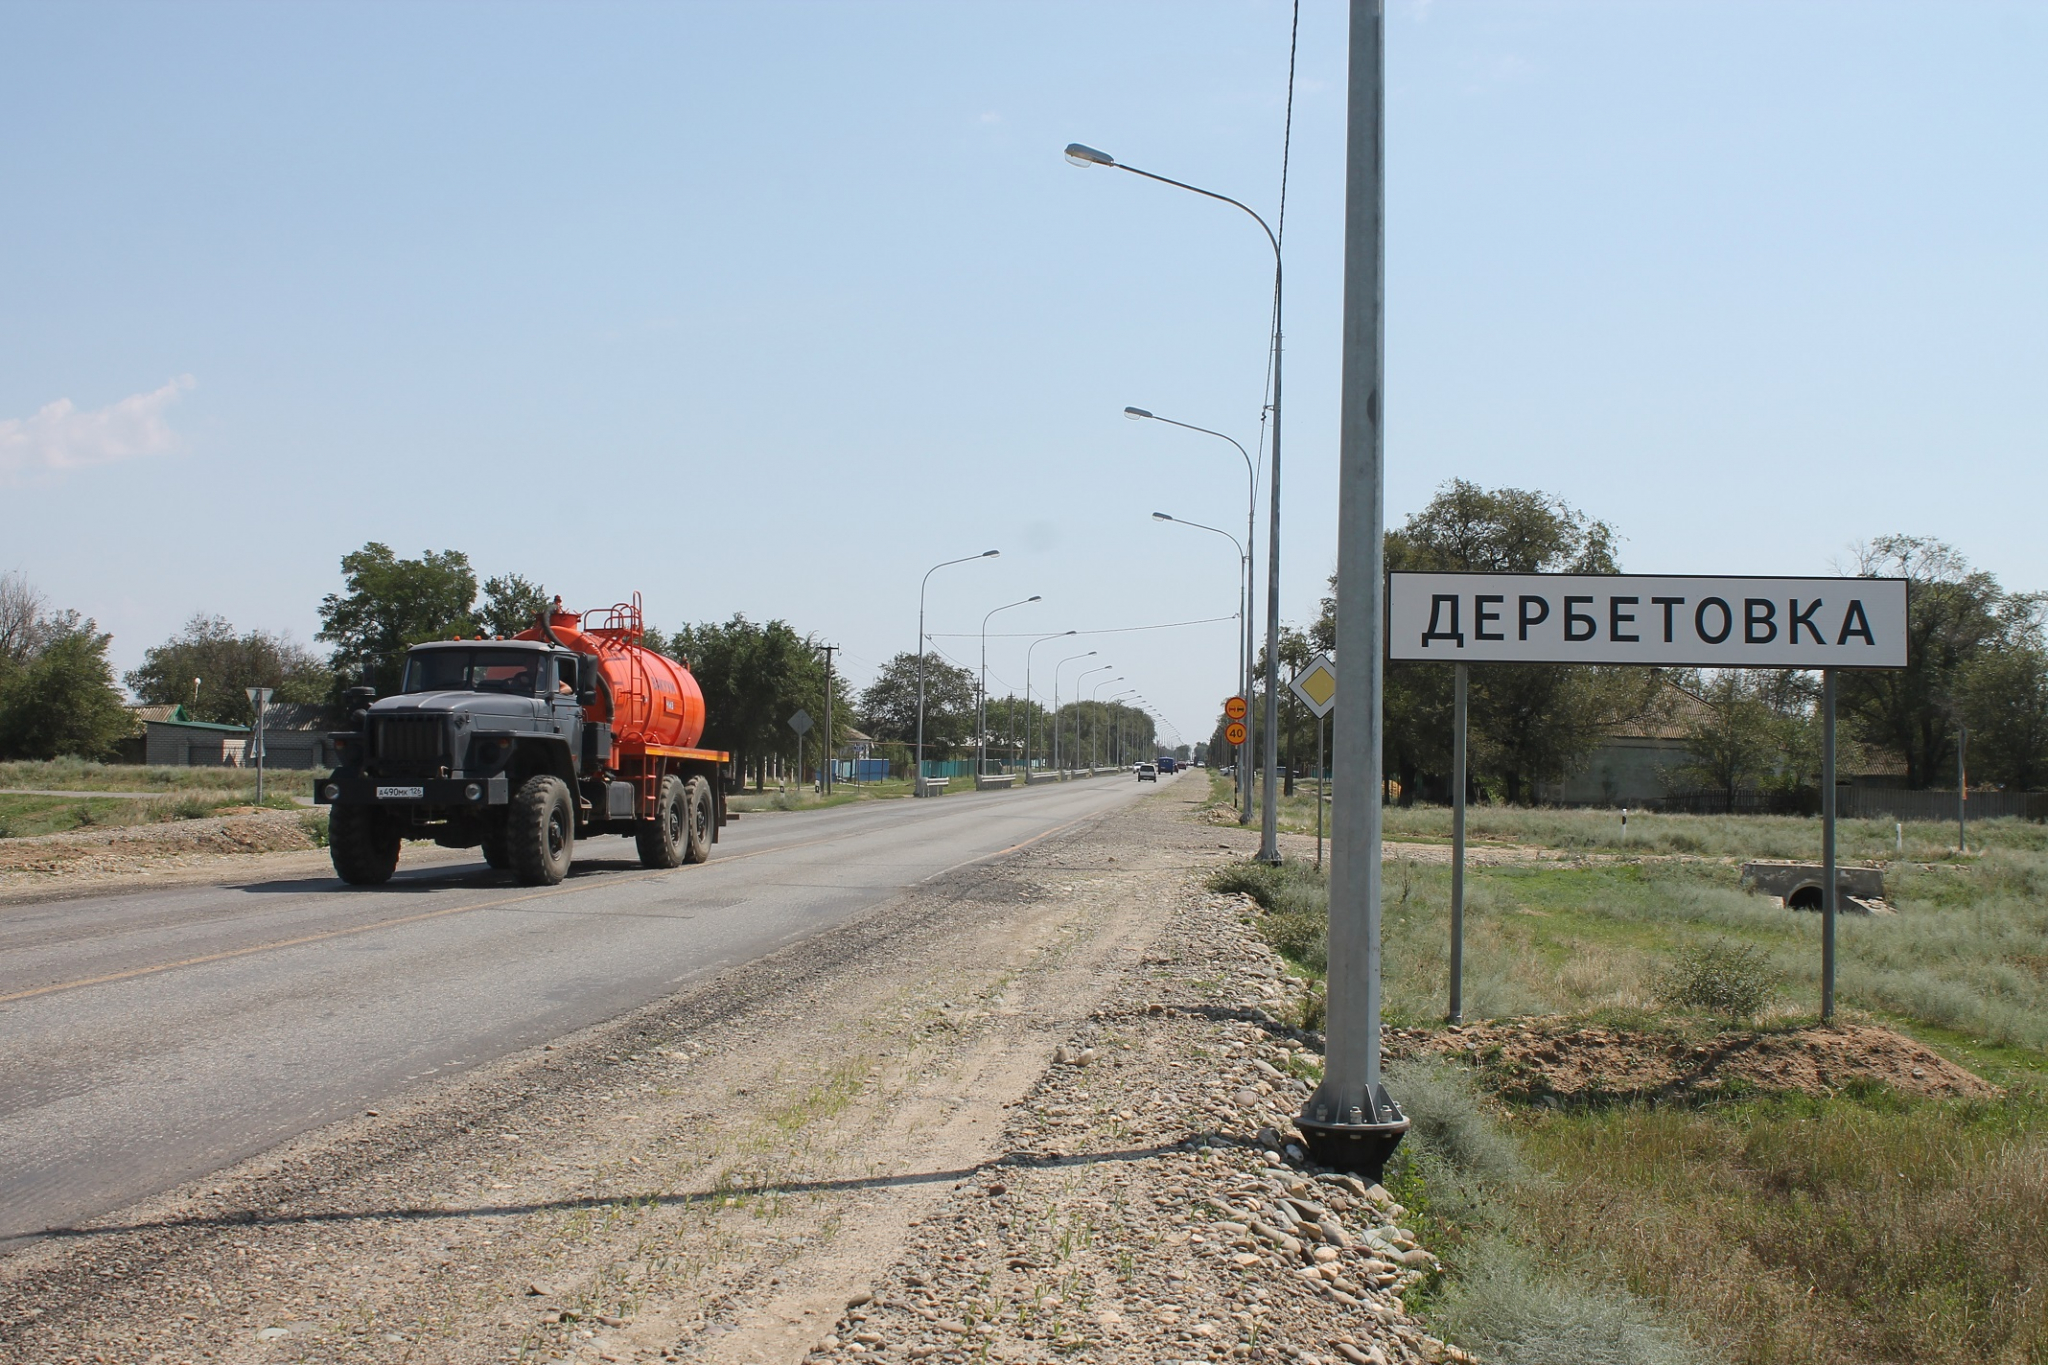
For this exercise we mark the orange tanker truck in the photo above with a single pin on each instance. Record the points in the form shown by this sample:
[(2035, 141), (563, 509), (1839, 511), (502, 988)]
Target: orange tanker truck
[(522, 746)]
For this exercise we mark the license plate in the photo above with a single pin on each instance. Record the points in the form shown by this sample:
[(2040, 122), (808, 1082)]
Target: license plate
[(400, 793)]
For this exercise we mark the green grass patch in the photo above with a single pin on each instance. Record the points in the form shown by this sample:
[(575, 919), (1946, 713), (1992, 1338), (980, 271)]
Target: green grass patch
[(1863, 1226)]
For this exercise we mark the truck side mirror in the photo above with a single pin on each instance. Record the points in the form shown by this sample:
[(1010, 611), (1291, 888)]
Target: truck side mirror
[(586, 679)]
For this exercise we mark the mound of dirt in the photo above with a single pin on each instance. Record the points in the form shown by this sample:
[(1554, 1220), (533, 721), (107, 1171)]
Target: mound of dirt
[(122, 848), (1573, 1062)]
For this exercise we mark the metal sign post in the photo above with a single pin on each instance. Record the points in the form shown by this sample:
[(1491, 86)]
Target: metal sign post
[(1458, 771), (1316, 687), (259, 697), (1827, 844), (801, 723)]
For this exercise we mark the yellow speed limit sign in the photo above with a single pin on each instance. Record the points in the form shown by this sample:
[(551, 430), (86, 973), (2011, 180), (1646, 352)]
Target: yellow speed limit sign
[(1234, 732), (1235, 709)]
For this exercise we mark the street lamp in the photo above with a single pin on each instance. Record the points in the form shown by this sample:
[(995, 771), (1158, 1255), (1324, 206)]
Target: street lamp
[(1116, 728), (1095, 721), (1269, 832), (1251, 509), (1056, 703), (917, 778), (1244, 559), (1077, 706), (981, 706), (1056, 635)]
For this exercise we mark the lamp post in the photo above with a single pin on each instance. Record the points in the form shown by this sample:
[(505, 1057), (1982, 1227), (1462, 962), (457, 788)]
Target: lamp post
[(1269, 824), (1244, 656), (1056, 702), (1251, 510), (1116, 729), (1057, 635), (1095, 722), (917, 777), (1077, 706), (981, 704)]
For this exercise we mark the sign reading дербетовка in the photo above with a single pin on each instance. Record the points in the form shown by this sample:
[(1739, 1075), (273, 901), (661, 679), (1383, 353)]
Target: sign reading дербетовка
[(1652, 621)]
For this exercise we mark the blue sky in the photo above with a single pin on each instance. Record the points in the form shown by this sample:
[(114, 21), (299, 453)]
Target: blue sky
[(767, 308)]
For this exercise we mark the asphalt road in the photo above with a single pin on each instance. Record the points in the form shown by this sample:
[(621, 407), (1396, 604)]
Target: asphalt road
[(149, 1038)]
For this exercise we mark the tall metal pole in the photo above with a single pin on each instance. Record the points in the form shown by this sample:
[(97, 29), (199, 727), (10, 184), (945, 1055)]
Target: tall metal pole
[(1827, 843), (827, 740), (981, 706), (1458, 770), (1057, 635), (917, 774), (1056, 726), (1248, 589), (1077, 705), (1350, 1121), (1962, 791)]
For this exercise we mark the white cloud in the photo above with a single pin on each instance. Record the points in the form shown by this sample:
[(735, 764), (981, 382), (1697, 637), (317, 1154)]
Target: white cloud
[(60, 437)]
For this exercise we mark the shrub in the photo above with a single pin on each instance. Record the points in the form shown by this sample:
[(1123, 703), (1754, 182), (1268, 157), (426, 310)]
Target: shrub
[(1515, 1311), (1447, 1121), (1723, 978), (315, 825)]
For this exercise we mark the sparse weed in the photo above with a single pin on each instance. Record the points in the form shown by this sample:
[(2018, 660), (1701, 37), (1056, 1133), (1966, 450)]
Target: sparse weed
[(1719, 977)]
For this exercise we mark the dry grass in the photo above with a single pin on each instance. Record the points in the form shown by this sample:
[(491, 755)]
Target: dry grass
[(1862, 1226)]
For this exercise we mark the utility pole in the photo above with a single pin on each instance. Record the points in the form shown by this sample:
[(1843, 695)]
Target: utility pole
[(1350, 1122), (826, 742)]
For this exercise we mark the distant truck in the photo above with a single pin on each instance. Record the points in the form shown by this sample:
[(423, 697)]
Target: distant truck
[(520, 747), (1168, 763)]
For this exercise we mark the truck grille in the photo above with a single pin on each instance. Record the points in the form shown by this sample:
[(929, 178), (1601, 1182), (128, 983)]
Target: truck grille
[(409, 739)]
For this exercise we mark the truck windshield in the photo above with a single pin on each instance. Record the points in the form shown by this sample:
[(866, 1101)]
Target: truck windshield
[(473, 670)]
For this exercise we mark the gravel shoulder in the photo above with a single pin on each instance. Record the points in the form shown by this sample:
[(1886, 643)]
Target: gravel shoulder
[(872, 1117)]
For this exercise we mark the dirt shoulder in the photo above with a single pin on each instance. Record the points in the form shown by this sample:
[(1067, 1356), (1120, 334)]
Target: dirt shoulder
[(244, 845), (873, 1118)]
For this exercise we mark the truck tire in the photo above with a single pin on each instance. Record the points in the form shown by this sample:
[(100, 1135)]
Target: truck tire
[(493, 845), (698, 814), (363, 841), (540, 831), (663, 836)]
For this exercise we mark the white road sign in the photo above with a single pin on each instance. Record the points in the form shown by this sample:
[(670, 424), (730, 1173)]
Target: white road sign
[(1646, 620)]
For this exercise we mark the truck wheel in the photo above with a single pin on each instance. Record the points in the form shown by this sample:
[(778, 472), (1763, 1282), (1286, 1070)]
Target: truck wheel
[(493, 845), (363, 841), (697, 816), (662, 836), (540, 831)]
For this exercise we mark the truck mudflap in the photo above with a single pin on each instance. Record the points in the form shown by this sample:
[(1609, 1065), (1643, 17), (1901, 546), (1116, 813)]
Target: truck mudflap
[(433, 791)]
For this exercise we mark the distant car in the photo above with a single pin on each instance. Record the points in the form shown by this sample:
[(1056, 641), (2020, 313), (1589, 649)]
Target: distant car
[(1147, 773)]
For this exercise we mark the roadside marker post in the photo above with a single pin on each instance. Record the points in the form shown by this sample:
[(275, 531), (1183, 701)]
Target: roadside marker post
[(259, 697), (1654, 621)]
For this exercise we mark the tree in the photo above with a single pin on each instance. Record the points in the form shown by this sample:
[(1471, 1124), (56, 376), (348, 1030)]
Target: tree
[(392, 604), (61, 700), (1955, 614), (888, 706), (1734, 739), (226, 664), (1527, 723), (754, 678), (512, 604), (2005, 704), (25, 623)]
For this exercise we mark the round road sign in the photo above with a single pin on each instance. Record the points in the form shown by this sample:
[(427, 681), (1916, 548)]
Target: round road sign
[(1235, 709), (1234, 732)]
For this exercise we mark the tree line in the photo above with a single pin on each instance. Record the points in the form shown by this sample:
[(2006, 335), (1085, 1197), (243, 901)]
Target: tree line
[(1978, 667)]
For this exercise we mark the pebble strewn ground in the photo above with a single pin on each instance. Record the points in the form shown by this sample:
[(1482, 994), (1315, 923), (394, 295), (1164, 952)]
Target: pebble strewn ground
[(1148, 1208)]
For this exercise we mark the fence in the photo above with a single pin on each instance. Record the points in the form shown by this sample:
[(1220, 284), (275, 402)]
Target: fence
[(1899, 803)]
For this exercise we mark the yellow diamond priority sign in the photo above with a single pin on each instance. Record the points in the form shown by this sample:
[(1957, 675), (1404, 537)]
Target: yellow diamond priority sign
[(1316, 685)]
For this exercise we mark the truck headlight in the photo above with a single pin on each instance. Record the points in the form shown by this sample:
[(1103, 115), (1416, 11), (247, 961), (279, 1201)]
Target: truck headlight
[(474, 792), (331, 791)]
